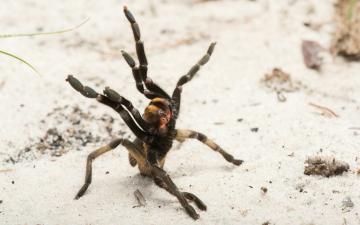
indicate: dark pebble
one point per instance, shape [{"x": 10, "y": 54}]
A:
[{"x": 255, "y": 129}]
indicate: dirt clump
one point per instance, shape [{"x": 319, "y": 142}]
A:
[
  {"x": 325, "y": 166},
  {"x": 279, "y": 82}
]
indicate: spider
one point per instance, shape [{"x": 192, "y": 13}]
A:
[{"x": 155, "y": 129}]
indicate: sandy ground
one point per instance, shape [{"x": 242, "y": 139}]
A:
[{"x": 225, "y": 101}]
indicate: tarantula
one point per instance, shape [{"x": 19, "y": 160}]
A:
[{"x": 155, "y": 129}]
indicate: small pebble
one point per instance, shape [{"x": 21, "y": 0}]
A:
[
  {"x": 347, "y": 204},
  {"x": 254, "y": 129},
  {"x": 264, "y": 190}
]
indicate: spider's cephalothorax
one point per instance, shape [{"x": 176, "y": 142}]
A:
[
  {"x": 159, "y": 115},
  {"x": 155, "y": 129}
]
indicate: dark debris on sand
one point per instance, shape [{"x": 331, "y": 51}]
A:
[
  {"x": 69, "y": 128},
  {"x": 325, "y": 166}
]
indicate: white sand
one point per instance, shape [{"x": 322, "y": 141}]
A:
[{"x": 253, "y": 37}]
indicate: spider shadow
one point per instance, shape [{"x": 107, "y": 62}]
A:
[
  {"x": 160, "y": 197},
  {"x": 147, "y": 187},
  {"x": 195, "y": 170},
  {"x": 137, "y": 181}
]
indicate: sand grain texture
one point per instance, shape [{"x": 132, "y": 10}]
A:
[{"x": 225, "y": 100}]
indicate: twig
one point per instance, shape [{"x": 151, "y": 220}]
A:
[
  {"x": 325, "y": 110},
  {"x": 5, "y": 170},
  {"x": 354, "y": 128},
  {"x": 140, "y": 198},
  {"x": 2, "y": 83}
]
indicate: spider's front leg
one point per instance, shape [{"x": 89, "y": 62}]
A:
[
  {"x": 140, "y": 72},
  {"x": 117, "y": 102},
  {"x": 163, "y": 180},
  {"x": 176, "y": 96}
]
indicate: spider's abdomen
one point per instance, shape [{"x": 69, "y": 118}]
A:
[{"x": 160, "y": 147}]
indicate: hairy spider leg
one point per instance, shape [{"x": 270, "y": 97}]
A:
[
  {"x": 176, "y": 96},
  {"x": 161, "y": 178},
  {"x": 138, "y": 80},
  {"x": 90, "y": 93},
  {"x": 191, "y": 197},
  {"x": 159, "y": 173},
  {"x": 135, "y": 153},
  {"x": 116, "y": 97},
  {"x": 141, "y": 75},
  {"x": 181, "y": 135}
]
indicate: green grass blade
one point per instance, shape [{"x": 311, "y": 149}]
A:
[
  {"x": 21, "y": 60},
  {"x": 352, "y": 4},
  {"x": 44, "y": 33}
]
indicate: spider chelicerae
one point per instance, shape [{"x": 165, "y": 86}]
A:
[{"x": 155, "y": 129}]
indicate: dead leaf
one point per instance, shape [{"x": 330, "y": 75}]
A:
[{"x": 310, "y": 51}]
